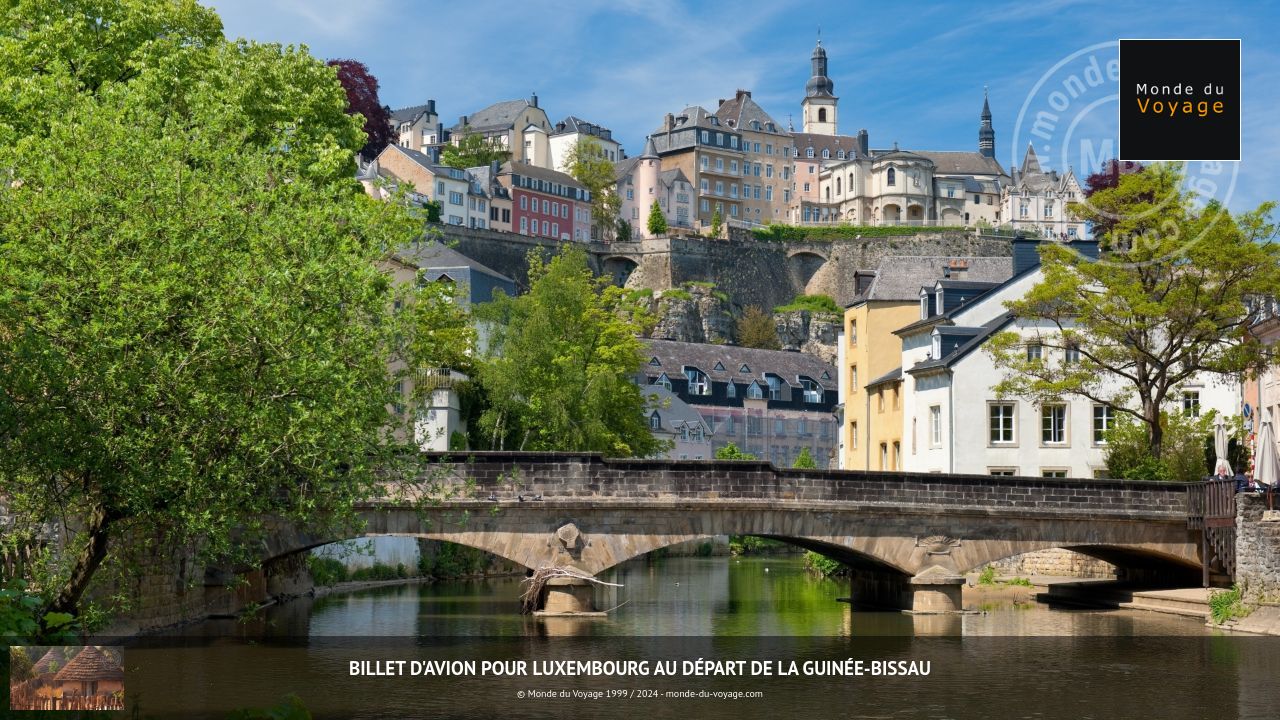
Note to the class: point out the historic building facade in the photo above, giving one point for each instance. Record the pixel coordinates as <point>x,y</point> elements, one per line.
<point>641,181</point>
<point>709,153</point>
<point>766,166</point>
<point>518,126</point>
<point>546,203</point>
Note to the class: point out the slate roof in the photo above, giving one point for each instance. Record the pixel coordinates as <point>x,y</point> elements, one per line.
<point>624,167</point>
<point>670,177</point>
<point>833,143</point>
<point>901,277</point>
<point>1031,177</point>
<point>695,115</point>
<point>894,374</point>
<point>496,117</point>
<point>947,162</point>
<point>740,111</point>
<point>408,114</point>
<point>533,171</point>
<point>572,124</point>
<point>421,159</point>
<point>437,255</point>
<point>978,334</point>
<point>672,411</point>
<point>673,356</point>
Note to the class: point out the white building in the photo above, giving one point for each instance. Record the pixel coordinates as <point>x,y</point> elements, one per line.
<point>953,421</point>
<point>570,130</point>
<point>1036,200</point>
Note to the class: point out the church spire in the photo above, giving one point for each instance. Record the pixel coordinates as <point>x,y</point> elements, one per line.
<point>986,133</point>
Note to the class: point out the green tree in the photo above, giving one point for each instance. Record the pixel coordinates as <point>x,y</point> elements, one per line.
<point>1166,303</point>
<point>731,452</point>
<point>756,329</point>
<point>623,233</point>
<point>805,460</point>
<point>586,162</point>
<point>657,221</point>
<point>472,150</point>
<point>716,223</point>
<point>193,332</point>
<point>563,358</point>
<point>1182,458</point>
<point>441,331</point>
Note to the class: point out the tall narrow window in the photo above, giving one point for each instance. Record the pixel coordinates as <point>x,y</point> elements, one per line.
<point>892,176</point>
<point>935,425</point>
<point>1191,403</point>
<point>1053,424</point>
<point>1103,420</point>
<point>1001,423</point>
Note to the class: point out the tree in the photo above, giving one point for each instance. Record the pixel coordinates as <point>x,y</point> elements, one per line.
<point>716,223</point>
<point>586,162</point>
<point>805,460</point>
<point>362,98</point>
<point>731,452</point>
<point>559,376</point>
<point>623,231</point>
<point>208,352</point>
<point>1166,302</point>
<point>1108,177</point>
<point>756,329</point>
<point>473,150</point>
<point>657,221</point>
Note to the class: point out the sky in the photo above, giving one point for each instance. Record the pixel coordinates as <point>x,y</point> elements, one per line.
<point>910,73</point>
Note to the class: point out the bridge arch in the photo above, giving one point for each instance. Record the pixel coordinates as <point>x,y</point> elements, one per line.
<point>802,265</point>
<point>618,268</point>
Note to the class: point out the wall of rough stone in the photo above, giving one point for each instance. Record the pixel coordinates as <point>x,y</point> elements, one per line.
<point>1257,548</point>
<point>1057,562</point>
<point>809,332</point>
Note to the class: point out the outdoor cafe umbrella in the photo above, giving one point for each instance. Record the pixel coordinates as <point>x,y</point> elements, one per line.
<point>1220,449</point>
<point>1266,469</point>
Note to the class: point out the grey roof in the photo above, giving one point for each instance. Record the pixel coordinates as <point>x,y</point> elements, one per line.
<point>741,111</point>
<point>409,114</point>
<point>901,277</point>
<point>978,335</point>
<point>832,143</point>
<point>947,162</point>
<point>498,116</point>
<point>947,283</point>
<point>533,171</point>
<point>894,374</point>
<point>673,356</point>
<point>624,167</point>
<point>573,124</point>
<point>1031,177</point>
<point>694,115</point>
<point>670,177</point>
<point>672,411</point>
<point>437,255</point>
<point>420,158</point>
<point>488,181</point>
<point>649,149</point>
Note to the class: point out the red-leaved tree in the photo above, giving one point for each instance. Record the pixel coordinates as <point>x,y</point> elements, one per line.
<point>362,97</point>
<point>1108,177</point>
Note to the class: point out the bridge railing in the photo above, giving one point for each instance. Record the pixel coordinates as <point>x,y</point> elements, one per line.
<point>1211,509</point>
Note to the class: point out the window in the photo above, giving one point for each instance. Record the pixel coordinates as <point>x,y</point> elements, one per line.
<point>733,166</point>
<point>706,206</point>
<point>733,211</point>
<point>822,114</point>
<point>663,381</point>
<point>951,191</point>
<point>897,455</point>
<point>1072,353</point>
<point>1053,424</point>
<point>546,207</point>
<point>884,456</point>
<point>706,163</point>
<point>524,202</point>
<point>720,164</point>
<point>706,136</point>
<point>1001,423</point>
<point>1048,208</point>
<point>806,187</point>
<point>812,390</point>
<point>524,225</point>
<point>706,187</point>
<point>655,422</point>
<point>1034,351</point>
<point>719,187</point>
<point>826,154</point>
<point>935,426</point>
<point>754,391</point>
<point>853,434</point>
<point>1191,403</point>
<point>698,383</point>
<point>440,187</point>
<point>546,227</point>
<point>892,177</point>
<point>1053,473</point>
<point>730,390</point>
<point>1002,471</point>
<point>779,428</point>
<point>775,386</point>
<point>809,153</point>
<point>1104,418</point>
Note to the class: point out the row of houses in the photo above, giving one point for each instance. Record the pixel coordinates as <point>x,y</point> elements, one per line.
<point>737,163</point>
<point>918,385</point>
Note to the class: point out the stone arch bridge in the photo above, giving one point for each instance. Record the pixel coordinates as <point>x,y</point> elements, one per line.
<point>909,537</point>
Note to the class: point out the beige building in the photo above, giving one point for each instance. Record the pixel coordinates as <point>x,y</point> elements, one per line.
<point>641,181</point>
<point>767,150</point>
<point>709,153</point>
<point>519,126</point>
<point>1036,200</point>
<point>418,127</point>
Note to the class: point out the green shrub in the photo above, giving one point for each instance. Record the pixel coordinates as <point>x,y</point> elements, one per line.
<point>731,452</point>
<point>823,565</point>
<point>698,284</point>
<point>1182,457</point>
<point>452,561</point>
<point>794,233</point>
<point>752,545</point>
<point>677,294</point>
<point>1020,581</point>
<point>812,303</point>
<point>1226,605</point>
<point>987,576</point>
<point>326,570</point>
<point>378,571</point>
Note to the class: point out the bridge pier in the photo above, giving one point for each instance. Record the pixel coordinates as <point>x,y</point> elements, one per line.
<point>933,591</point>
<point>568,596</point>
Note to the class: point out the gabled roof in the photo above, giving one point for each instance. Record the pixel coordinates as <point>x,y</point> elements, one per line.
<point>624,167</point>
<point>740,112</point>
<point>670,177</point>
<point>409,114</point>
<point>421,159</point>
<point>977,336</point>
<point>674,356</point>
<point>891,376</point>
<point>673,413</point>
<point>498,116</point>
<point>694,116</point>
<point>573,124</point>
<point>437,255</point>
<point>901,277</point>
<point>832,143</point>
<point>948,162</point>
<point>533,171</point>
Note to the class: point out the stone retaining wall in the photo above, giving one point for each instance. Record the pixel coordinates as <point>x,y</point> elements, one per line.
<point>1257,548</point>
<point>1057,562</point>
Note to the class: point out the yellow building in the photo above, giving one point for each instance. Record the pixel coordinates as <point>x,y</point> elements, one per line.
<point>871,374</point>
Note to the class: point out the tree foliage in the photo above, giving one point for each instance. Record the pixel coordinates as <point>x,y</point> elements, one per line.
<point>1183,456</point>
<point>586,162</point>
<point>193,332</point>
<point>563,357</point>
<point>731,452</point>
<point>756,329</point>
<point>362,98</point>
<point>473,150</point>
<point>716,223</point>
<point>805,460</point>
<point>1166,303</point>
<point>657,220</point>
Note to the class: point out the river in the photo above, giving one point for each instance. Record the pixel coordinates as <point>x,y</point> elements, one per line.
<point>1003,661</point>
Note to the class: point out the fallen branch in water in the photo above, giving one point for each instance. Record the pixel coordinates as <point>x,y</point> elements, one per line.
<point>538,580</point>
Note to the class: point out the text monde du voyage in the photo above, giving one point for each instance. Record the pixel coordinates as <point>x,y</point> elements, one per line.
<point>637,668</point>
<point>1179,100</point>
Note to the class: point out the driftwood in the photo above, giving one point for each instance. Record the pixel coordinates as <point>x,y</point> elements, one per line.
<point>538,580</point>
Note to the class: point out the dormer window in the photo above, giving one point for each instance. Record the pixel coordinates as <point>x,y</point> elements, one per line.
<point>924,305</point>
<point>826,154</point>
<point>754,391</point>
<point>655,421</point>
<point>812,390</point>
<point>937,346</point>
<point>937,300</point>
<point>698,382</point>
<point>663,380</point>
<point>808,153</point>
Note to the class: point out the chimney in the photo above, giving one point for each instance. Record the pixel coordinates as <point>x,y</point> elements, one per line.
<point>462,121</point>
<point>431,107</point>
<point>533,99</point>
<point>1026,253</point>
<point>864,142</point>
<point>957,269</point>
<point>671,121</point>
<point>742,92</point>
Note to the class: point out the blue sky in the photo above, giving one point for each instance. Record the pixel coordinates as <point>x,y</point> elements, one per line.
<point>911,73</point>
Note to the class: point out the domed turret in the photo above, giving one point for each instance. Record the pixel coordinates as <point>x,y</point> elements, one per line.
<point>819,102</point>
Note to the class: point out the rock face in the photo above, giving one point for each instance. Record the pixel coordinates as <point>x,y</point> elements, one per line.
<point>809,332</point>
<point>695,313</point>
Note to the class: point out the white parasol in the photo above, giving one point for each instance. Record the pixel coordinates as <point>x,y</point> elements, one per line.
<point>1221,463</point>
<point>1266,467</point>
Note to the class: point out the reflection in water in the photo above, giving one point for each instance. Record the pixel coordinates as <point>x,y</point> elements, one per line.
<point>1003,661</point>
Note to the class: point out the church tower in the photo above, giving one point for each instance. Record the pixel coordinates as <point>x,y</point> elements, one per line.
<point>819,105</point>
<point>986,133</point>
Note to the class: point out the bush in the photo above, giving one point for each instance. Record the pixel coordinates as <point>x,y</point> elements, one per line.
<point>1226,605</point>
<point>824,565</point>
<point>731,452</point>
<point>378,571</point>
<point>452,561</point>
<point>677,294</point>
<point>326,570</point>
<point>987,576</point>
<point>752,545</point>
<point>1182,453</point>
<point>812,303</point>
